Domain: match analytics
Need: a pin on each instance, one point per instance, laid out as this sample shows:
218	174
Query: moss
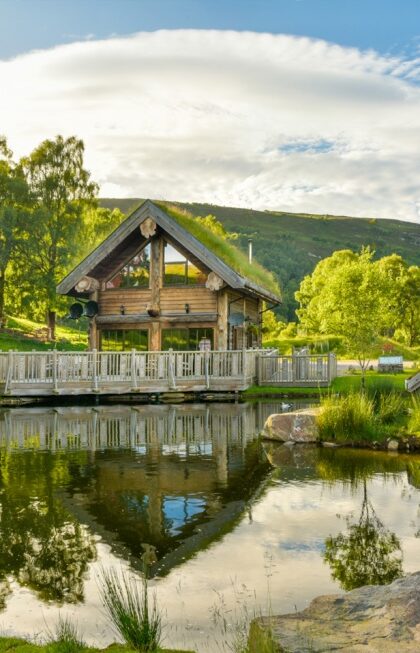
224	249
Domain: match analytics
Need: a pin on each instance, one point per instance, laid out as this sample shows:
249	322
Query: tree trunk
51	325
2	316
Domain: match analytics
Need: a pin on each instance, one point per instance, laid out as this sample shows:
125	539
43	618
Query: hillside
290	244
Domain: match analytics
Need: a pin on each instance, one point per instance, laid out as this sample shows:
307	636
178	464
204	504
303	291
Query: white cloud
225	117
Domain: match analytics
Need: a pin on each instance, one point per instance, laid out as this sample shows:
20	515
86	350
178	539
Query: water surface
82	488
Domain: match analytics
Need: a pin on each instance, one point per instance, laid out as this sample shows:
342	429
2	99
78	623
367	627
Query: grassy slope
68	338
290	244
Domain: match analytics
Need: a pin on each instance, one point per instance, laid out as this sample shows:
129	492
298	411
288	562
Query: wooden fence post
133	369
94	370
55	370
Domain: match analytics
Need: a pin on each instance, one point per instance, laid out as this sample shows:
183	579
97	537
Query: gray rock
296	426
371	619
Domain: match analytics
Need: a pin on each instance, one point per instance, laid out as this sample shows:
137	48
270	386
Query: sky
294	105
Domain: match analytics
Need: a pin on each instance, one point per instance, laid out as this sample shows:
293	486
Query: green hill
290	244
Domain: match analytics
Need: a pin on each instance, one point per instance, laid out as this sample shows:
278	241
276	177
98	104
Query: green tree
61	188
14	202
344	296
402	300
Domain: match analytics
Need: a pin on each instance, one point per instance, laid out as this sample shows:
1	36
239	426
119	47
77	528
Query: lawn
70	337
341	384
16	645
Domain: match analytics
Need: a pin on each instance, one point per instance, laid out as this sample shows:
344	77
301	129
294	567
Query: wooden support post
133	370
95	370
221	340
156	267
55	370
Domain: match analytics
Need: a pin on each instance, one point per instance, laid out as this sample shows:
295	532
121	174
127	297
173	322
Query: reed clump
349	417
65	638
127	604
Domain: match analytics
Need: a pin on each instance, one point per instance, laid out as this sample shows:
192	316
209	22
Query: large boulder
371	619
297	426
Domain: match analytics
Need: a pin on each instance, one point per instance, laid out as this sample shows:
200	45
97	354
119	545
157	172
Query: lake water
82	489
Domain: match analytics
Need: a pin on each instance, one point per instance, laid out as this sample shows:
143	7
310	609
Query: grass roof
222	248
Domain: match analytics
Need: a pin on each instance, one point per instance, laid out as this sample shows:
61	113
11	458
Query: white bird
285	406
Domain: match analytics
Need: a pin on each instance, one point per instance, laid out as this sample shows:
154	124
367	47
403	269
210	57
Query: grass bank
16	645
21	334
340	385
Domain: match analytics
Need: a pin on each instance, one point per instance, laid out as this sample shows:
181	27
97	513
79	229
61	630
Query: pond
83	488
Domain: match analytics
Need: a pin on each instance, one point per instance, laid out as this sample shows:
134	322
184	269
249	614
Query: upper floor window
179	271
135	273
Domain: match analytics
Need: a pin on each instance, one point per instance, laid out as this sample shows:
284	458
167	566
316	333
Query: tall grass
65	638
127	604
351	416
414	421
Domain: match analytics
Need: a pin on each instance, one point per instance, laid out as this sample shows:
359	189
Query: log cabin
163	281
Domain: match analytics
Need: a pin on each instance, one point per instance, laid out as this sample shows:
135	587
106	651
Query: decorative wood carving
148	228
87	284
214	282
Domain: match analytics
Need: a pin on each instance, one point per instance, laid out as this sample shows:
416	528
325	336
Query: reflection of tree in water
41	544
368	554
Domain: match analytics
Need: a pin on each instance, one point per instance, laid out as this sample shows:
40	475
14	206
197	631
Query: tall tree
344	296
61	188
14	203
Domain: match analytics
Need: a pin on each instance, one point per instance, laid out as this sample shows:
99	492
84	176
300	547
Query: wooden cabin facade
158	287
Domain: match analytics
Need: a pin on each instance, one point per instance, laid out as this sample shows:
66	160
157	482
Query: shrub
351	416
128	608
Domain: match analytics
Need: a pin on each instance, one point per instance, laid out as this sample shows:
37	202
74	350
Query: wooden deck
100	373
37	374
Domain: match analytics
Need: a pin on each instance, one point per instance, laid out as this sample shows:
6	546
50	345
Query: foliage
128	608
14	206
352	416
61	188
230	254
414	421
211	223
369	554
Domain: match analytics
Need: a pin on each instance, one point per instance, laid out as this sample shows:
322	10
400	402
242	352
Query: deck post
94	370
329	368
171	370
55	370
133	369
206	368
9	373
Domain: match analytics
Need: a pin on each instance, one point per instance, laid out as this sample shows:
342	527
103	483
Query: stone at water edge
296	426
370	619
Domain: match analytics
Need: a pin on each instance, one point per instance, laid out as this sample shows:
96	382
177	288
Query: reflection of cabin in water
159	287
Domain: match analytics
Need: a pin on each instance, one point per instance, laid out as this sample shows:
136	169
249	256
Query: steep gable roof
177	229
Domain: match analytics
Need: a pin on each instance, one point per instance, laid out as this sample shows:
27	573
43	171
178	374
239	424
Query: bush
352	416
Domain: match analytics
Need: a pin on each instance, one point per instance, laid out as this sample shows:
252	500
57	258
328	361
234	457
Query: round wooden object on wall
87	284
148	228
214	282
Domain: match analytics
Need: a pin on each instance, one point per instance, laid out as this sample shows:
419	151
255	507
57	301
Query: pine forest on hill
291	244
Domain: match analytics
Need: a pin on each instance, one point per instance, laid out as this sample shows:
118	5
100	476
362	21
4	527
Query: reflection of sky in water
275	541
180	509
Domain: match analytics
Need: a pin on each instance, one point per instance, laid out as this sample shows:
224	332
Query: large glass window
185	339
135	274
124	339
179	271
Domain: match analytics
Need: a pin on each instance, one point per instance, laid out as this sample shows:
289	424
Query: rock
393	445
297	426
370	619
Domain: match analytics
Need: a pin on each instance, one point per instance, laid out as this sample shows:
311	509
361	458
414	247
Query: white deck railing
413	383
133	370
299	369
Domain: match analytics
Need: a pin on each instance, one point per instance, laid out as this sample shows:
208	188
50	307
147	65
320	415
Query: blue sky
388	26
299	105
